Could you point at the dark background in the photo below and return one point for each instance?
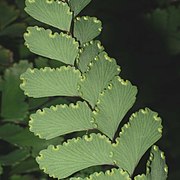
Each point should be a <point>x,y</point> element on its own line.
<point>144,37</point>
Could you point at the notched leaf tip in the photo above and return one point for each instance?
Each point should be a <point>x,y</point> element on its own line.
<point>49,1</point>
<point>31,1</point>
<point>88,138</point>
<point>40,111</point>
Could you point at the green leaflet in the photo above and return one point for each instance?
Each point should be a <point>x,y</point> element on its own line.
<point>14,157</point>
<point>14,31</point>
<point>23,138</point>
<point>142,131</point>
<point>27,166</point>
<point>113,104</point>
<point>113,174</point>
<point>96,79</point>
<point>78,5</point>
<point>51,12</point>
<point>7,14</point>
<point>74,155</point>
<point>21,177</point>
<point>87,54</point>
<point>11,129</point>
<point>61,119</point>
<point>42,62</point>
<point>12,94</point>
<point>141,177</point>
<point>46,82</point>
<point>86,28</point>
<point>156,166</point>
<point>60,47</point>
<point>8,26</point>
<point>5,58</point>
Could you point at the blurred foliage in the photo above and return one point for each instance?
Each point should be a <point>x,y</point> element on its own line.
<point>143,35</point>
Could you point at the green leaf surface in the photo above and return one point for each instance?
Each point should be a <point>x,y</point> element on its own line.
<point>7,14</point>
<point>156,165</point>
<point>42,62</point>
<point>57,100</point>
<point>142,131</point>
<point>51,12</point>
<point>87,172</point>
<point>113,174</point>
<point>78,5</point>
<point>88,53</point>
<point>36,103</point>
<point>74,155</point>
<point>21,177</point>
<point>6,57</point>
<point>9,130</point>
<point>86,28</point>
<point>14,30</point>
<point>13,105</point>
<point>96,79</point>
<point>141,177</point>
<point>60,47</point>
<point>27,166</point>
<point>113,104</point>
<point>23,138</point>
<point>14,157</point>
<point>61,119</point>
<point>46,82</point>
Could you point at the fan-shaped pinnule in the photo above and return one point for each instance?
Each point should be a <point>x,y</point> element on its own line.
<point>86,28</point>
<point>87,54</point>
<point>47,82</point>
<point>75,154</point>
<point>156,165</point>
<point>61,119</point>
<point>60,47</point>
<point>52,12</point>
<point>113,104</point>
<point>101,71</point>
<point>136,137</point>
<point>78,5</point>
